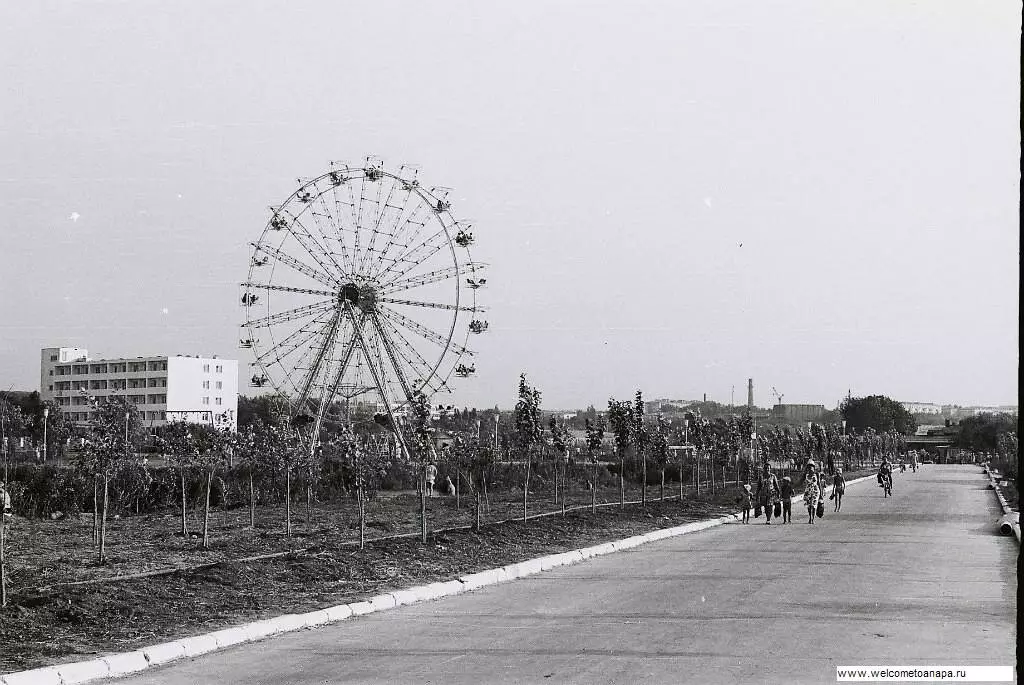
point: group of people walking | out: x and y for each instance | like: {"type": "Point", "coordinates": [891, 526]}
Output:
{"type": "Point", "coordinates": [775, 497]}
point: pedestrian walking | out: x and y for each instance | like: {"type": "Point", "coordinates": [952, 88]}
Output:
{"type": "Point", "coordinates": [838, 488]}
{"type": "Point", "coordinates": [746, 501]}
{"type": "Point", "coordinates": [768, 492]}
{"type": "Point", "coordinates": [786, 492]}
{"type": "Point", "coordinates": [811, 494]}
{"type": "Point", "coordinates": [822, 486]}
{"type": "Point", "coordinates": [431, 477]}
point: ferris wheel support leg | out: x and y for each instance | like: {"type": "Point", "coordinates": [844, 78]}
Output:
{"type": "Point", "coordinates": [307, 383]}
{"type": "Point", "coordinates": [380, 387]}
{"type": "Point", "coordinates": [328, 396]}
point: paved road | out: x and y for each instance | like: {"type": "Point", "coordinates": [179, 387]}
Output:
{"type": "Point", "coordinates": [919, 579]}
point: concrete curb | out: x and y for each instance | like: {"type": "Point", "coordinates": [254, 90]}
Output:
{"type": "Point", "coordinates": [1004, 505]}
{"type": "Point", "coordinates": [116, 665]}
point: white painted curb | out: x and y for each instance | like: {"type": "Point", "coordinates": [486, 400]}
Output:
{"type": "Point", "coordinates": [83, 671]}
{"type": "Point", "coordinates": [1003, 504]}
{"type": "Point", "coordinates": [37, 676]}
{"type": "Point", "coordinates": [115, 665]}
{"type": "Point", "coordinates": [128, 662]}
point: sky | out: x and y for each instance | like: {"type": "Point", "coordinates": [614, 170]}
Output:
{"type": "Point", "coordinates": [674, 197]}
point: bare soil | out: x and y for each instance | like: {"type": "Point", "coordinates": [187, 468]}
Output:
{"type": "Point", "coordinates": [48, 621]}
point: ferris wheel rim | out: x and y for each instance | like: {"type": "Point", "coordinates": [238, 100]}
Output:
{"type": "Point", "coordinates": [389, 327]}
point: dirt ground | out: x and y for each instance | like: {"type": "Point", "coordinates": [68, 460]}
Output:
{"type": "Point", "coordinates": [48, 621]}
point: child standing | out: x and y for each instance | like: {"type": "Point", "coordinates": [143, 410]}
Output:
{"type": "Point", "coordinates": [787, 499]}
{"type": "Point", "coordinates": [746, 501]}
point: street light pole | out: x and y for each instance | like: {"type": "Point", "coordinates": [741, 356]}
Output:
{"type": "Point", "coordinates": [46, 417]}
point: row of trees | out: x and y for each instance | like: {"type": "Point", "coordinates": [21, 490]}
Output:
{"type": "Point", "coordinates": [269, 443]}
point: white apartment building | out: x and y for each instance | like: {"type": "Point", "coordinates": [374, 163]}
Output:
{"type": "Point", "coordinates": [179, 388]}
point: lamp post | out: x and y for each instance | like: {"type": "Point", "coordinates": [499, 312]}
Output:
{"type": "Point", "coordinates": [46, 417]}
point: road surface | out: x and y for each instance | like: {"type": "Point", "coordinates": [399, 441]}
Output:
{"type": "Point", "coordinates": [918, 579]}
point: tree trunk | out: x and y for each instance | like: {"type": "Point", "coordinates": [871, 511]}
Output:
{"type": "Point", "coordinates": [458, 498]}
{"type": "Point", "coordinates": [565, 490]}
{"type": "Point", "coordinates": [423, 505]}
{"type": "Point", "coordinates": [487, 500]}
{"type": "Point", "coordinates": [362, 516]}
{"type": "Point", "coordinates": [288, 502]}
{"type": "Point", "coordinates": [696, 474]}
{"type": "Point", "coordinates": [309, 506]}
{"type": "Point", "coordinates": [206, 511]}
{"type": "Point", "coordinates": [643, 492]}
{"type": "Point", "coordinates": [252, 503]}
{"type": "Point", "coordinates": [95, 510]}
{"type": "Point", "coordinates": [526, 487]}
{"type": "Point", "coordinates": [622, 483]}
{"type": "Point", "coordinates": [477, 496]}
{"type": "Point", "coordinates": [184, 523]}
{"type": "Point", "coordinates": [593, 491]}
{"type": "Point", "coordinates": [103, 523]}
{"type": "Point", "coordinates": [662, 484]}
{"type": "Point", "coordinates": [680, 479]}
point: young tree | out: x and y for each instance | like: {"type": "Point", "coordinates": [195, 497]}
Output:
{"type": "Point", "coordinates": [12, 426]}
{"type": "Point", "coordinates": [561, 439]}
{"type": "Point", "coordinates": [528, 429]}
{"type": "Point", "coordinates": [113, 428]}
{"type": "Point", "coordinates": [658, 446]}
{"type": "Point", "coordinates": [640, 440]}
{"type": "Point", "coordinates": [211, 449]}
{"type": "Point", "coordinates": [620, 420]}
{"type": "Point", "coordinates": [595, 438]}
{"type": "Point", "coordinates": [178, 444]}
{"type": "Point", "coordinates": [422, 445]}
{"type": "Point", "coordinates": [251, 447]}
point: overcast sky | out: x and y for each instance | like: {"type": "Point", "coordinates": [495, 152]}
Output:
{"type": "Point", "coordinates": [672, 196]}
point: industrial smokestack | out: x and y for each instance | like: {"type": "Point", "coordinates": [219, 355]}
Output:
{"type": "Point", "coordinates": [750, 393]}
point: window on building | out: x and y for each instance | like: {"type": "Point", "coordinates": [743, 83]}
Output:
{"type": "Point", "coordinates": [220, 369]}
{"type": "Point", "coordinates": [53, 357]}
{"type": "Point", "coordinates": [51, 372]}
{"type": "Point", "coordinates": [51, 387]}
{"type": "Point", "coordinates": [216, 400]}
{"type": "Point", "coordinates": [206, 400]}
{"type": "Point", "coordinates": [220, 385]}
{"type": "Point", "coordinates": [206, 385]}
{"type": "Point", "coordinates": [163, 416]}
{"type": "Point", "coordinates": [206, 368]}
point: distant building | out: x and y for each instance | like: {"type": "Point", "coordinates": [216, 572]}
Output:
{"type": "Point", "coordinates": [922, 407]}
{"type": "Point", "coordinates": [179, 388]}
{"type": "Point", "coordinates": [655, 406]}
{"type": "Point", "coordinates": [798, 412]}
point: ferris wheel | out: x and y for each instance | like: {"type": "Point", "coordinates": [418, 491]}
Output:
{"type": "Point", "coordinates": [361, 287]}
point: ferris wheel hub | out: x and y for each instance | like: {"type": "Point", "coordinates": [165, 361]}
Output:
{"type": "Point", "coordinates": [363, 297]}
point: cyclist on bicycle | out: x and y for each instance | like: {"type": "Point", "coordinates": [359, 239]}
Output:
{"type": "Point", "coordinates": [885, 472]}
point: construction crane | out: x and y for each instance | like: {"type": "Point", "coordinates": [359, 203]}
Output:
{"type": "Point", "coordinates": [778, 395]}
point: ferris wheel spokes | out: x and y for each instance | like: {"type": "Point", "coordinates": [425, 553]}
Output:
{"type": "Point", "coordinates": [421, 330]}
{"type": "Point", "coordinates": [291, 314]}
{"type": "Point", "coordinates": [295, 264]}
{"type": "Point", "coordinates": [434, 305]}
{"type": "Point", "coordinates": [437, 276]}
{"type": "Point", "coordinates": [286, 289]}
{"type": "Point", "coordinates": [417, 365]}
{"type": "Point", "coordinates": [299, 231]}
